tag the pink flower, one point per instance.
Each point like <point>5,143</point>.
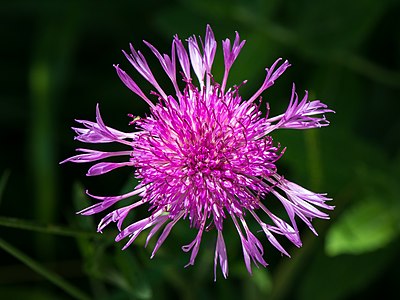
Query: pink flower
<point>204,154</point>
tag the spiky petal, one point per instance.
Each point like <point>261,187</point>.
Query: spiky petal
<point>204,154</point>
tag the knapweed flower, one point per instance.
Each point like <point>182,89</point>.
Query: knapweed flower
<point>205,154</point>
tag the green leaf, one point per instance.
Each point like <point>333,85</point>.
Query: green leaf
<point>366,226</point>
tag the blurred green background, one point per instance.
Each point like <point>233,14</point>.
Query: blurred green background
<point>56,59</point>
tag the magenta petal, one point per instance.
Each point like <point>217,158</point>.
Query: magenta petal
<point>272,75</point>
<point>230,55</point>
<point>196,59</point>
<point>304,114</point>
<point>274,241</point>
<point>194,245</point>
<point>202,153</point>
<point>182,57</point>
<point>165,233</point>
<point>154,230</point>
<point>210,47</point>
<point>220,252</point>
<point>128,81</point>
<point>93,155</point>
<point>105,167</point>
<point>167,63</point>
<point>118,215</point>
<point>133,230</point>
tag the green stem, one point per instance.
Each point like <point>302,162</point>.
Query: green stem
<point>49,275</point>
<point>50,229</point>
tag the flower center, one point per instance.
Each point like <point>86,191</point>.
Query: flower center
<point>204,160</point>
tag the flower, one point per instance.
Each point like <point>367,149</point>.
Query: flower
<point>204,154</point>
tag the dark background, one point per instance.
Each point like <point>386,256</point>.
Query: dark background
<point>56,64</point>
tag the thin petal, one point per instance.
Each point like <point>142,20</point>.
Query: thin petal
<point>220,252</point>
<point>272,75</point>
<point>105,167</point>
<point>182,57</point>
<point>128,81</point>
<point>165,233</point>
<point>197,60</point>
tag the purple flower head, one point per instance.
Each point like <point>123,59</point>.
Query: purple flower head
<point>204,154</point>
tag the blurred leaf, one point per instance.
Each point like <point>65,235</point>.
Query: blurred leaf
<point>346,23</point>
<point>3,183</point>
<point>40,269</point>
<point>262,280</point>
<point>92,253</point>
<point>209,8</point>
<point>314,158</point>
<point>132,278</point>
<point>86,247</point>
<point>178,20</point>
<point>81,201</point>
<point>28,292</point>
<point>374,221</point>
<point>340,277</point>
<point>366,226</point>
<point>44,228</point>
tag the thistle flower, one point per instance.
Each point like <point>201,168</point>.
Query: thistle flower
<point>204,154</point>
